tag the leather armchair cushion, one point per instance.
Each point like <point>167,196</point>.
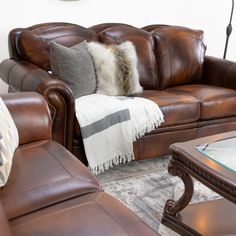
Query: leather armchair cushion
<point>44,173</point>
<point>33,45</point>
<point>216,102</point>
<point>177,109</point>
<point>93,214</point>
<point>143,43</point>
<point>180,55</point>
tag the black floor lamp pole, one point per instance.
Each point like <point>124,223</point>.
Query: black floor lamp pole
<point>229,29</point>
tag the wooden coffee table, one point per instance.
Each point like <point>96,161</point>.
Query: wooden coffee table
<point>217,217</point>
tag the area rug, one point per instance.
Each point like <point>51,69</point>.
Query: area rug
<point>144,187</point>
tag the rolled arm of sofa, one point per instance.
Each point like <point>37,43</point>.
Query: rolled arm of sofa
<point>219,72</point>
<point>25,76</point>
<point>31,115</point>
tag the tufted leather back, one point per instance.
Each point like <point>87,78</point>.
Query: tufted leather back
<point>167,55</point>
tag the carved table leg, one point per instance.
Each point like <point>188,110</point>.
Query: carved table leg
<point>171,218</point>
<point>172,207</point>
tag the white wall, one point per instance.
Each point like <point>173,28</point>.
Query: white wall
<point>212,16</point>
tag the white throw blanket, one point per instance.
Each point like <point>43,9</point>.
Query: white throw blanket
<point>109,126</point>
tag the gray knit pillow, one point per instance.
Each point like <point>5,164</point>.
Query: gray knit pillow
<point>74,66</point>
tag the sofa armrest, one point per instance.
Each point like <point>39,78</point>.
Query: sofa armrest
<point>31,115</point>
<point>24,76</point>
<point>4,224</point>
<point>219,72</point>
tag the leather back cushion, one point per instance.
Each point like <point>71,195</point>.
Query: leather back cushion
<point>180,54</point>
<point>33,44</point>
<point>144,45</point>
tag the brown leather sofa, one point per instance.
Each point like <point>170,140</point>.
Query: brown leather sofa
<point>195,92</point>
<point>49,191</point>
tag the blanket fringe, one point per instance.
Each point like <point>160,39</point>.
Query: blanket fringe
<point>147,126</point>
<point>121,159</point>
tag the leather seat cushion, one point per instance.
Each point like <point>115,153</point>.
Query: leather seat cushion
<point>216,102</point>
<point>44,173</point>
<point>177,109</point>
<point>93,214</point>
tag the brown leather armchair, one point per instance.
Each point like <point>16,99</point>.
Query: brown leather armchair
<point>195,92</point>
<point>49,191</point>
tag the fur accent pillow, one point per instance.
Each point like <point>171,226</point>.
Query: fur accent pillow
<point>116,68</point>
<point>9,141</point>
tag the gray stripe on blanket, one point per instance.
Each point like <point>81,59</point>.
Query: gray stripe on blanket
<point>104,123</point>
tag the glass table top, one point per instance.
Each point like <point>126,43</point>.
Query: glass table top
<point>223,152</point>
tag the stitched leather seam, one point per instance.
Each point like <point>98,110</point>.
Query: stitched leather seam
<point>56,183</point>
<point>66,209</point>
<point>30,145</point>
